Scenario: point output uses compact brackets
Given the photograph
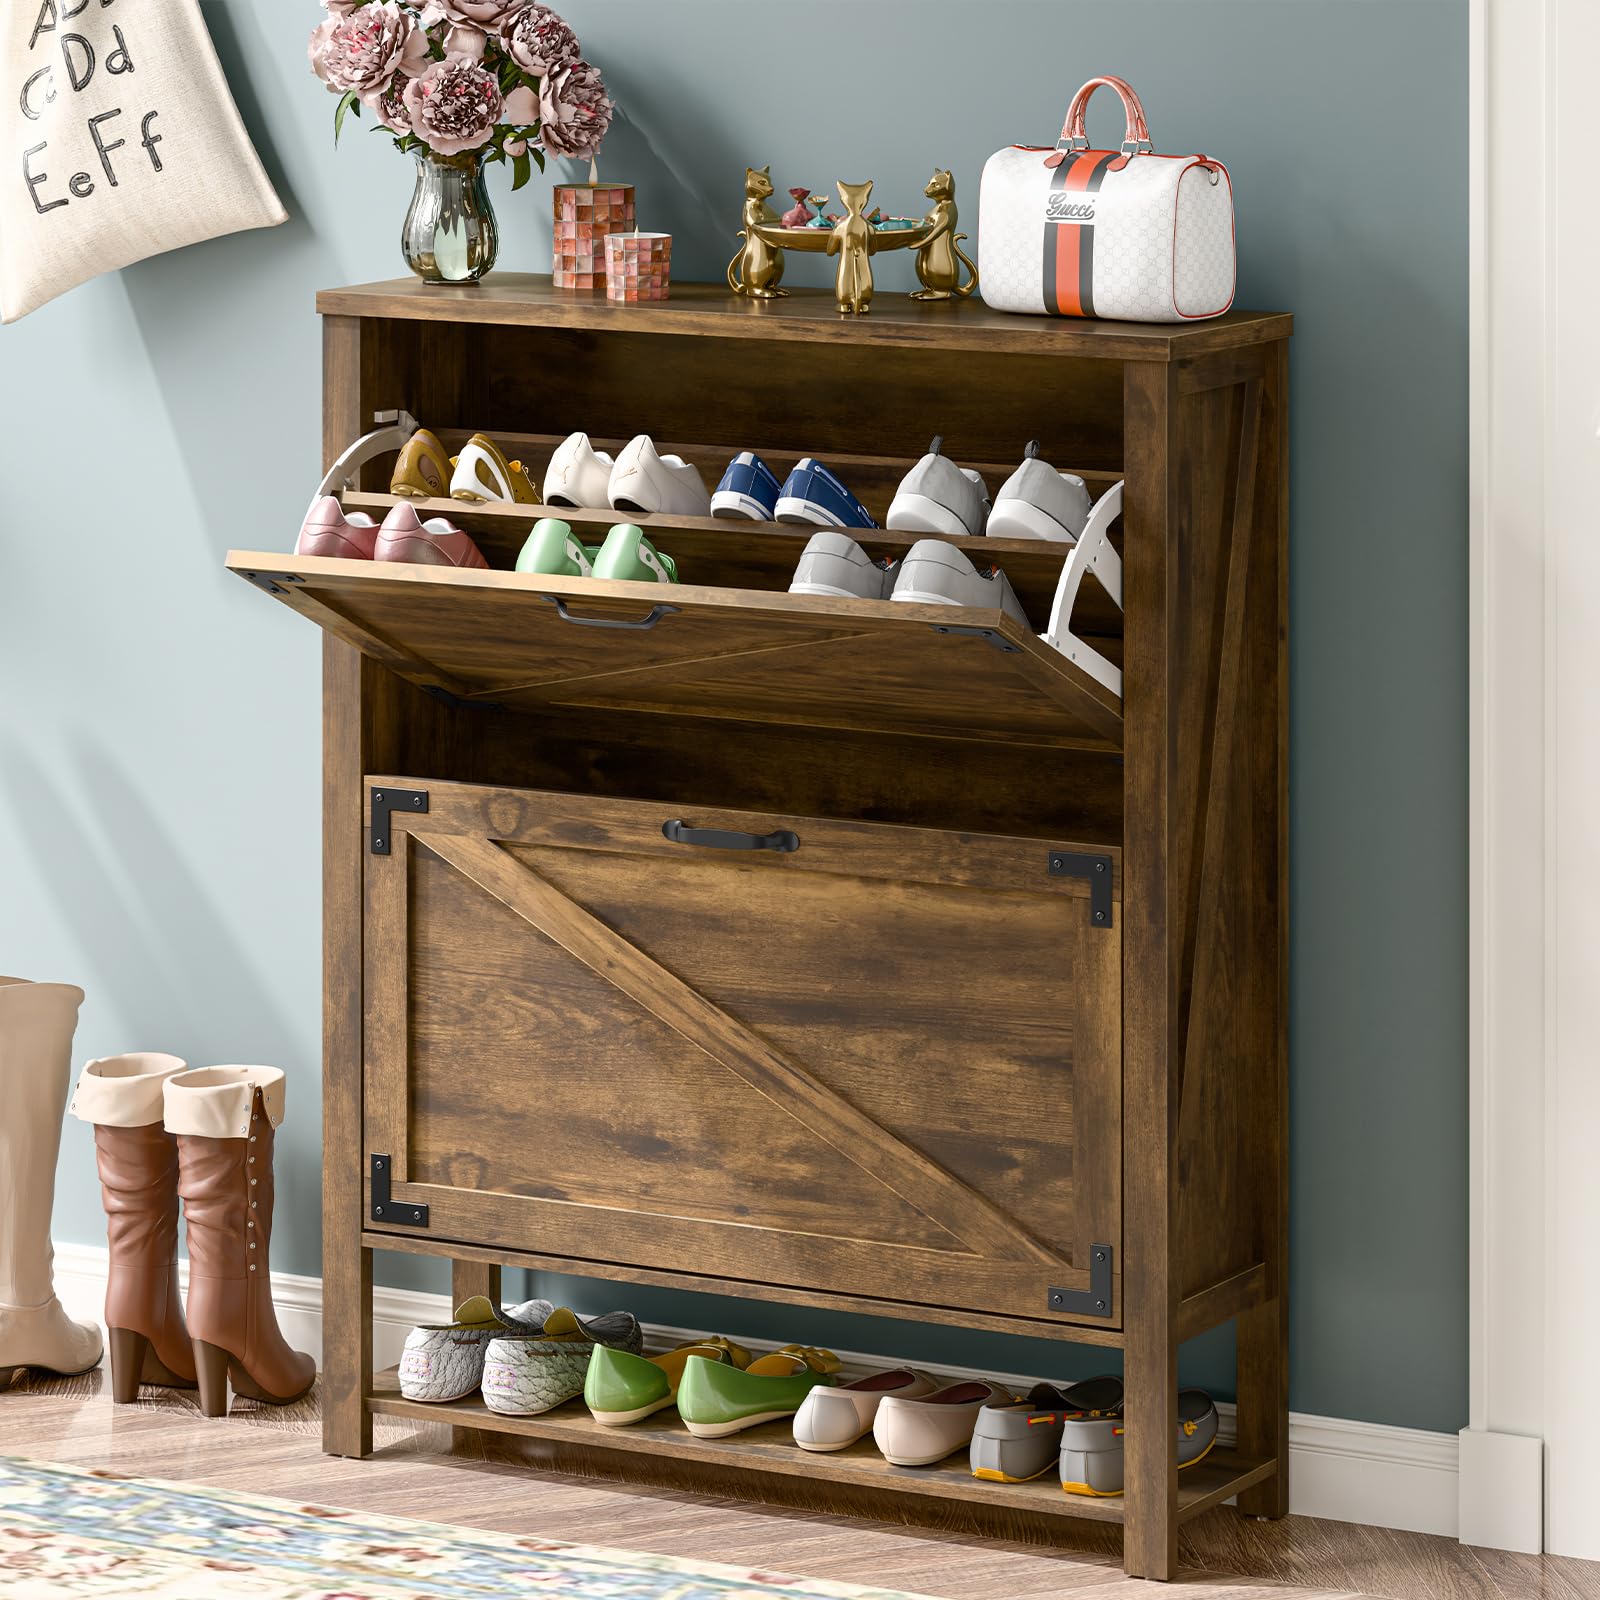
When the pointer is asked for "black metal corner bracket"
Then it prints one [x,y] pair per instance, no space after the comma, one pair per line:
[1095,1301]
[1097,869]
[386,800]
[272,582]
[385,1208]
[990,636]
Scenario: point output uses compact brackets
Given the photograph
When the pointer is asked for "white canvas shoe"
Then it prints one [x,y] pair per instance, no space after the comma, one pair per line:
[833,564]
[578,475]
[1037,502]
[936,496]
[643,482]
[916,1433]
[937,574]
[445,1361]
[833,1419]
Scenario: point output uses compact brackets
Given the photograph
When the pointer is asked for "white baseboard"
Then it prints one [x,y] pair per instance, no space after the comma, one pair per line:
[1502,1490]
[1363,1472]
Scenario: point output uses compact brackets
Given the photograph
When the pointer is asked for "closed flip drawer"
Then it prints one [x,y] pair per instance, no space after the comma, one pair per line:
[767,1052]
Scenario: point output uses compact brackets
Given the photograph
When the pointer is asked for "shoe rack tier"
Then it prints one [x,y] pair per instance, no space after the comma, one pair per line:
[852,955]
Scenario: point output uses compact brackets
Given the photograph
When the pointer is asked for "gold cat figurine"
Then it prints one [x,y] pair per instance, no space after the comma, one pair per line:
[853,240]
[757,268]
[941,258]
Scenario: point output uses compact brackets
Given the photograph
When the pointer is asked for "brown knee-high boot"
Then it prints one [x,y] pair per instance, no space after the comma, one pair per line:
[138,1162]
[225,1118]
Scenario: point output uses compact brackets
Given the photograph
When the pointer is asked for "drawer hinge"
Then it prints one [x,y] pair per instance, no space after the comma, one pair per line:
[386,800]
[385,1208]
[1097,869]
[1095,1301]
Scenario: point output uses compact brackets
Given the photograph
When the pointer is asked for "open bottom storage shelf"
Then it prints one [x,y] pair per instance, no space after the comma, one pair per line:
[770,1451]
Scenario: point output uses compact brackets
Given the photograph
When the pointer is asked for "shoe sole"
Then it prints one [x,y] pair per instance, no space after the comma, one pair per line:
[621,1419]
[994,1475]
[916,513]
[733,504]
[824,1449]
[524,1411]
[721,1430]
[1022,519]
[918,1461]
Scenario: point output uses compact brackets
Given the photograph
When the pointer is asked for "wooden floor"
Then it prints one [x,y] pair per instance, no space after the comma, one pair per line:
[487,1481]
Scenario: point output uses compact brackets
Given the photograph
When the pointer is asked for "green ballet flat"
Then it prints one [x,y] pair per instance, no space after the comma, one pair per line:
[715,1399]
[620,1388]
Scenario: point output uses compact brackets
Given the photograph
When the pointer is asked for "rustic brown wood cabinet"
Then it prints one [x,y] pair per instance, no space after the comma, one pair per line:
[996,1038]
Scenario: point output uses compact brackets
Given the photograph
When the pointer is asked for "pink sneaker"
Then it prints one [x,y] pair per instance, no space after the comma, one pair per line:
[327,531]
[437,542]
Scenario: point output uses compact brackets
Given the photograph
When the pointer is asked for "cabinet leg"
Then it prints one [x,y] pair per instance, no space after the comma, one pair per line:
[346,1346]
[1264,1403]
[468,1278]
[1150,1474]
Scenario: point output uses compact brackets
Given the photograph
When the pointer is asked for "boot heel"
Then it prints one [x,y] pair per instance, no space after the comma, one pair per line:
[211,1368]
[128,1351]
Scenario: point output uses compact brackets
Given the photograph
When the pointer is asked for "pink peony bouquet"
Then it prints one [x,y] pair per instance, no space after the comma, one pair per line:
[503,78]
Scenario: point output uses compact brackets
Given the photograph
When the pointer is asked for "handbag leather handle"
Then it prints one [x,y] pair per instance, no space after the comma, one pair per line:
[1136,133]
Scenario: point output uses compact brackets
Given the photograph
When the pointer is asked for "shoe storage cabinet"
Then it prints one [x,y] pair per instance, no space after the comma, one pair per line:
[997,1042]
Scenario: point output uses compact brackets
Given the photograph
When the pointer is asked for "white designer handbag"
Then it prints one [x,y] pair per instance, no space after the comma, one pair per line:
[1127,234]
[118,140]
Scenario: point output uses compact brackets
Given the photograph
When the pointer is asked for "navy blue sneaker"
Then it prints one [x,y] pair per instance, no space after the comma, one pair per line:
[811,493]
[749,489]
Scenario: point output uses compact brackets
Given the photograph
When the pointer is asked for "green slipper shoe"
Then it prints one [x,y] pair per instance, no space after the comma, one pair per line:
[715,1399]
[628,555]
[553,550]
[620,1388]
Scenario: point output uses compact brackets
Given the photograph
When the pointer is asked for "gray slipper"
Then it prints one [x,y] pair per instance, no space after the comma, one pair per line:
[1091,1447]
[1015,1443]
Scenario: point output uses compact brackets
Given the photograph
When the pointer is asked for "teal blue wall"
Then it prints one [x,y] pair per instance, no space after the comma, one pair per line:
[158,723]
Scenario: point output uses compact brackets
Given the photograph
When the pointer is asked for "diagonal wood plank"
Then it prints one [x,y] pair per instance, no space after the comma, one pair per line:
[967,1215]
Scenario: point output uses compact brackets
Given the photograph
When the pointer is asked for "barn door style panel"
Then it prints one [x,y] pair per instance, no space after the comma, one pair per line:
[868,1061]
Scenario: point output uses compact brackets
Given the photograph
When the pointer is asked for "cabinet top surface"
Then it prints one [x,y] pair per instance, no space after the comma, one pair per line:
[516,299]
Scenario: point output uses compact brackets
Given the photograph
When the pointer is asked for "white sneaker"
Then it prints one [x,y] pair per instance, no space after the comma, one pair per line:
[578,475]
[1037,502]
[936,496]
[643,482]
[937,574]
[834,564]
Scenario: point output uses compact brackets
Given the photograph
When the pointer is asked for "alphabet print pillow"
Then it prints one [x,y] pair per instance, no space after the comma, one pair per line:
[118,140]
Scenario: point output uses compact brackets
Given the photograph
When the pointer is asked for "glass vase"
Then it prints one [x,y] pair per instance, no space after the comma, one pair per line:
[450,235]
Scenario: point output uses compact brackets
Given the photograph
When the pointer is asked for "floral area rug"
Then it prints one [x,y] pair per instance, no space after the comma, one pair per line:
[66,1532]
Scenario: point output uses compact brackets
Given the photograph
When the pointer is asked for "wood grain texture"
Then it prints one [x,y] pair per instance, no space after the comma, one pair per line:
[884,1122]
[423,1467]
[514,299]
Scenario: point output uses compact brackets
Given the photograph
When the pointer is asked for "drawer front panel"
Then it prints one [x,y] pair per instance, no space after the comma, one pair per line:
[871,1061]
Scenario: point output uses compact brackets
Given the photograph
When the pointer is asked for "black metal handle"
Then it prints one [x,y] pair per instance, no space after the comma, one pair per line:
[782,841]
[656,614]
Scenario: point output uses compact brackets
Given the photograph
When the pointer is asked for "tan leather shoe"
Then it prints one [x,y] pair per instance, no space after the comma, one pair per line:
[138,1162]
[225,1119]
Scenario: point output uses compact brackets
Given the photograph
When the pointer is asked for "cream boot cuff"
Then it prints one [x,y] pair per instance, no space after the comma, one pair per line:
[124,1091]
[214,1102]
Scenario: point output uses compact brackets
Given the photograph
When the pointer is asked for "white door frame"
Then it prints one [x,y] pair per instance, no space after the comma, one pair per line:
[1529,1478]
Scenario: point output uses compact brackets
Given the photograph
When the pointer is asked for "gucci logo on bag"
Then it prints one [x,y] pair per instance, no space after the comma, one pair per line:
[1069,208]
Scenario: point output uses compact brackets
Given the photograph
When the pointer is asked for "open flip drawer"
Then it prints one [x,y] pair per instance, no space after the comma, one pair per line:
[520,642]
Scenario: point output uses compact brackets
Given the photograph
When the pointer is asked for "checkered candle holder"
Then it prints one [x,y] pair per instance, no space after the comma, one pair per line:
[585,214]
[638,266]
